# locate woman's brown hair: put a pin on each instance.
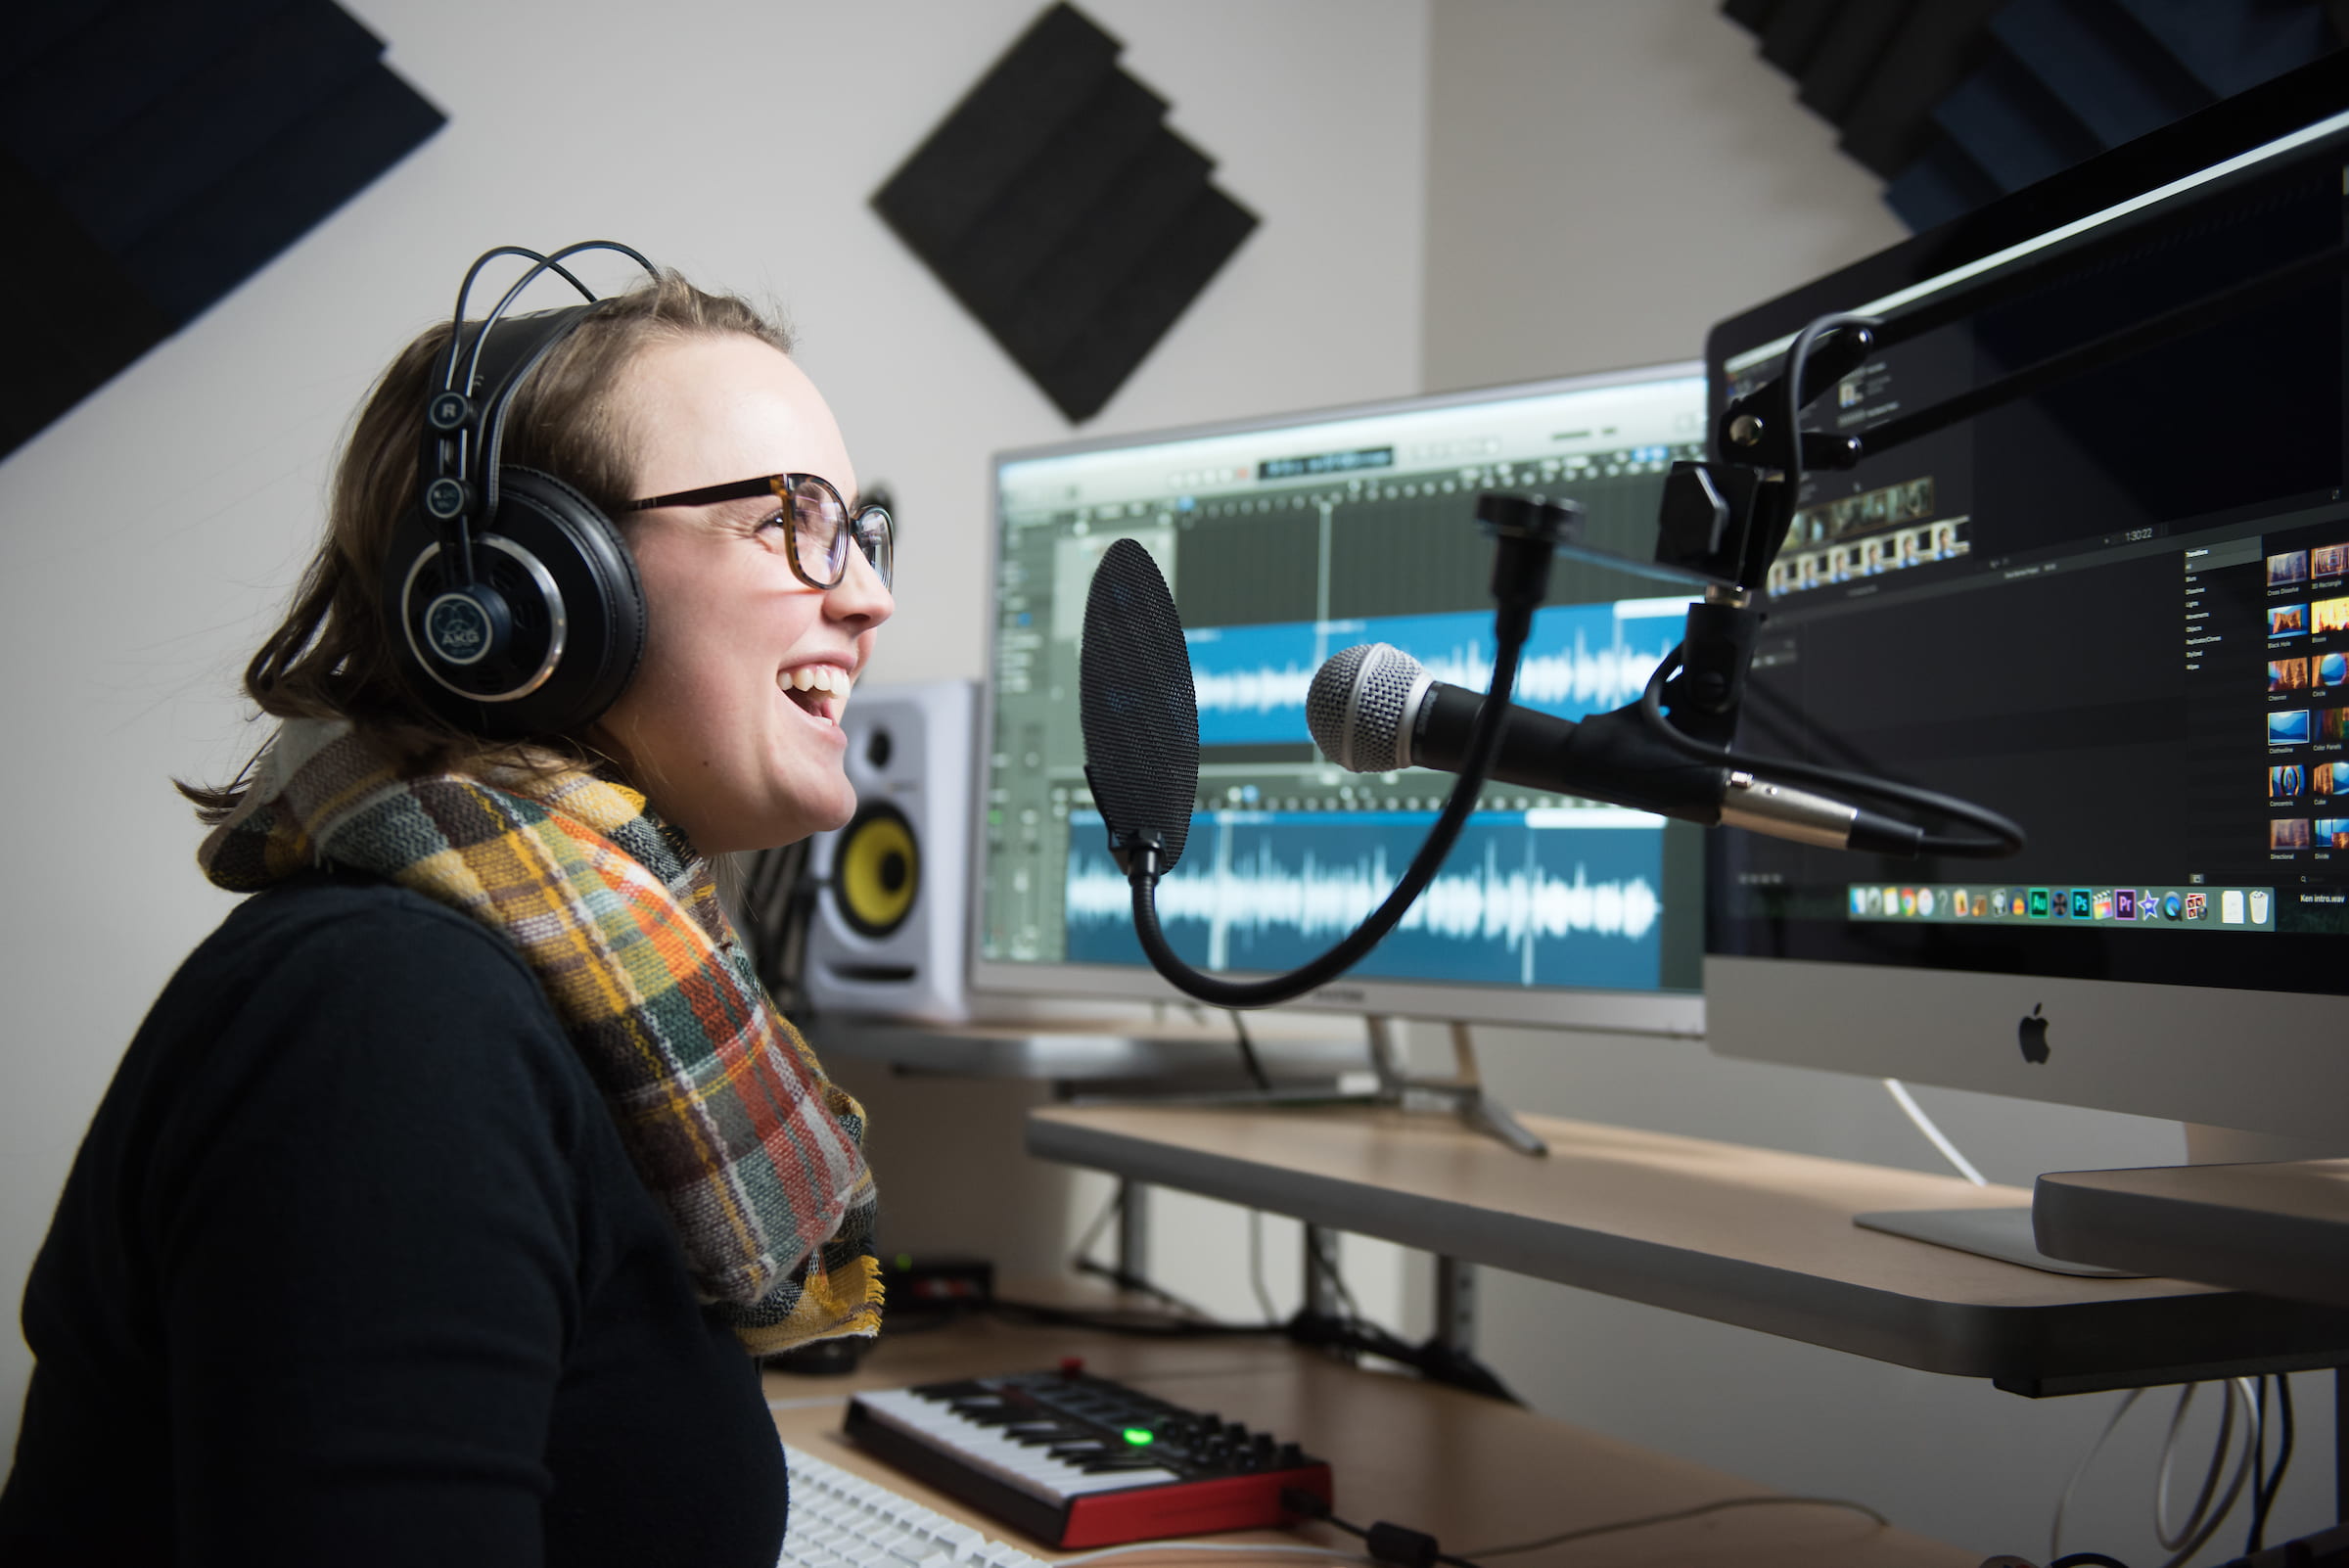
(333, 655)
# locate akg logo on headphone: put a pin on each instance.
(444, 498)
(458, 628)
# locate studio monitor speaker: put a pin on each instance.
(887, 934)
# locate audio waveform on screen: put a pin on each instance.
(1251, 681)
(1568, 897)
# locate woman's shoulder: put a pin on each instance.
(341, 942)
(368, 921)
(355, 977)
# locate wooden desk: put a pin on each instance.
(1475, 1472)
(1749, 1237)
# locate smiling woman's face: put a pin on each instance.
(732, 724)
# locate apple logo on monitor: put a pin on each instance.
(2032, 1033)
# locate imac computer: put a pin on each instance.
(1285, 541)
(2111, 603)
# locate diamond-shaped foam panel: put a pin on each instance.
(1054, 202)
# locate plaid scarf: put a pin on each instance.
(753, 1153)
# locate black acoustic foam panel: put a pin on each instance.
(1957, 102)
(155, 153)
(1054, 202)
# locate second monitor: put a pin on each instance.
(1285, 541)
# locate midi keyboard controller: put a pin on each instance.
(1078, 1460)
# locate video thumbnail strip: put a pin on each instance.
(2288, 569)
(2320, 618)
(1870, 512)
(2186, 908)
(1860, 536)
(2300, 726)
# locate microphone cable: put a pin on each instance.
(2002, 836)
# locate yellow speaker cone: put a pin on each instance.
(880, 870)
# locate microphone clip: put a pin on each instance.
(1527, 532)
(1137, 852)
(1717, 648)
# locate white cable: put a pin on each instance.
(1211, 1545)
(2236, 1389)
(2172, 1538)
(2198, 1528)
(2055, 1529)
(1924, 1125)
(1092, 1232)
(1255, 1265)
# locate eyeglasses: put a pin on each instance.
(821, 527)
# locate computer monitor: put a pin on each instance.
(1284, 540)
(2115, 608)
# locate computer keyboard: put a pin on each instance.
(841, 1520)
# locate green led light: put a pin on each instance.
(906, 1259)
(1139, 1436)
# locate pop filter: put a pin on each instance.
(1139, 712)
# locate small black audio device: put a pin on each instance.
(516, 604)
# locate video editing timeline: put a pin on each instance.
(1864, 535)
(2041, 671)
(1283, 545)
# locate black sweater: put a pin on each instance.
(352, 1268)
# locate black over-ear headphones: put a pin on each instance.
(515, 605)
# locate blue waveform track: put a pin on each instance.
(1251, 681)
(1569, 898)
(1581, 659)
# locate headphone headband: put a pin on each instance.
(465, 425)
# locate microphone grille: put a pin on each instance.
(1136, 702)
(1355, 705)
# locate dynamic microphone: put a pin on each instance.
(1374, 708)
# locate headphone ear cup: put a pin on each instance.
(577, 611)
(602, 598)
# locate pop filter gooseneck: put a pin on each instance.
(1142, 738)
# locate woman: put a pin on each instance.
(438, 1206)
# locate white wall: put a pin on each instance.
(1605, 179)
(151, 536)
